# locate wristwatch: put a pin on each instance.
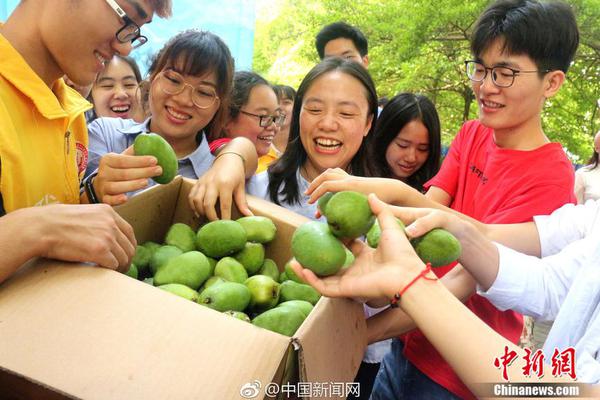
(88, 184)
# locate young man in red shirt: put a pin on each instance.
(501, 168)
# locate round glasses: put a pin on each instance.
(266, 120)
(501, 76)
(171, 82)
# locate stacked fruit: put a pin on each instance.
(223, 266)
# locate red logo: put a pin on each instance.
(82, 157)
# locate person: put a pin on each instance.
(564, 284)
(254, 113)
(285, 97)
(199, 61)
(408, 133)
(115, 92)
(334, 111)
(501, 168)
(43, 134)
(587, 179)
(340, 39)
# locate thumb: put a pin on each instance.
(129, 151)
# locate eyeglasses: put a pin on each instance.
(130, 31)
(171, 82)
(501, 76)
(266, 120)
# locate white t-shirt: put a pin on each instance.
(587, 184)
(564, 285)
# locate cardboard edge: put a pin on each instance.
(14, 385)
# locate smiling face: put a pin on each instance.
(333, 121)
(79, 36)
(175, 116)
(514, 109)
(115, 93)
(407, 153)
(261, 101)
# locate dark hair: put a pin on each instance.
(594, 159)
(399, 111)
(545, 31)
(341, 30)
(282, 173)
(284, 92)
(243, 83)
(197, 53)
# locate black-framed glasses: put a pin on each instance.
(266, 120)
(501, 76)
(130, 31)
(172, 82)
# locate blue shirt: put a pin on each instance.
(114, 135)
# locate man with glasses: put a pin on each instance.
(43, 136)
(500, 168)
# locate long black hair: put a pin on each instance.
(398, 112)
(282, 173)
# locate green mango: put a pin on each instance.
(264, 291)
(213, 263)
(284, 320)
(315, 248)
(132, 272)
(349, 258)
(190, 269)
(231, 270)
(213, 280)
(226, 296)
(322, 202)
(162, 255)
(374, 233)
(149, 281)
(221, 238)
(269, 268)
(304, 306)
(251, 257)
(283, 277)
(349, 215)
(142, 257)
(258, 229)
(180, 290)
(291, 275)
(238, 315)
(438, 246)
(290, 290)
(182, 236)
(151, 144)
(152, 246)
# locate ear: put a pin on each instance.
(368, 126)
(552, 82)
(366, 60)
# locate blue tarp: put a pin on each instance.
(232, 20)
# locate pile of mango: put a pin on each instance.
(223, 266)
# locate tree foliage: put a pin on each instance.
(420, 46)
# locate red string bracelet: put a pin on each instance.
(396, 299)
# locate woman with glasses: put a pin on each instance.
(254, 113)
(335, 109)
(188, 85)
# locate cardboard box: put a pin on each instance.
(77, 331)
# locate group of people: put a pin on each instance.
(235, 133)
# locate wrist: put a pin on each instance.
(410, 281)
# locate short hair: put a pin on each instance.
(243, 83)
(282, 173)
(545, 31)
(284, 92)
(341, 30)
(397, 113)
(197, 53)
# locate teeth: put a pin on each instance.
(328, 142)
(100, 58)
(177, 114)
(120, 109)
(266, 138)
(491, 104)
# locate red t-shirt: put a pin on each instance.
(492, 185)
(217, 144)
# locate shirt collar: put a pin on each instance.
(59, 102)
(137, 128)
(201, 158)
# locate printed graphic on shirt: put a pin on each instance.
(479, 174)
(82, 157)
(47, 199)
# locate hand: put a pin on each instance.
(375, 274)
(85, 233)
(337, 180)
(122, 173)
(223, 181)
(419, 221)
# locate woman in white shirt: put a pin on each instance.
(587, 179)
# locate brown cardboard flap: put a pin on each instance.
(332, 343)
(98, 334)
